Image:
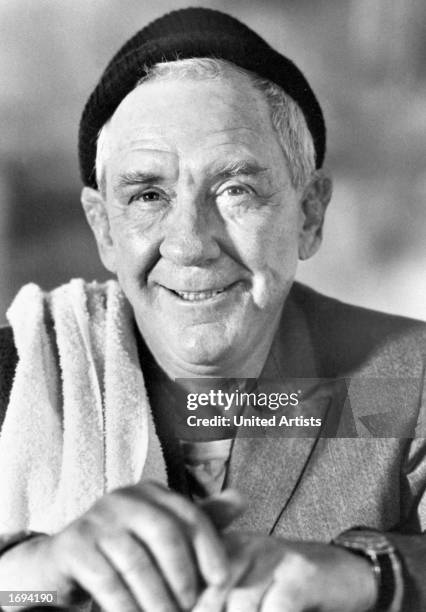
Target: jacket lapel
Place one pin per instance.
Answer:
(267, 468)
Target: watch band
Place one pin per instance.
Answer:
(385, 563)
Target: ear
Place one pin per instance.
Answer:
(314, 201)
(95, 210)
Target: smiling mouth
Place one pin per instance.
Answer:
(198, 296)
(201, 296)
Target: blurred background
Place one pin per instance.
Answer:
(366, 60)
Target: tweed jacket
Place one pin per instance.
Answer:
(367, 464)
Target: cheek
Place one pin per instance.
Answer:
(136, 248)
(133, 262)
(270, 245)
(270, 252)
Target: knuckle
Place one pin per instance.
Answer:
(70, 540)
(118, 495)
(194, 516)
(298, 565)
(84, 528)
(104, 511)
(147, 487)
(198, 520)
(129, 497)
(152, 485)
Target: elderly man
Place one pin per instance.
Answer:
(201, 152)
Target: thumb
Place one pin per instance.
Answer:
(223, 508)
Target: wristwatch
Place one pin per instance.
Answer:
(385, 563)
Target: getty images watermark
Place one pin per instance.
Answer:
(230, 415)
(344, 407)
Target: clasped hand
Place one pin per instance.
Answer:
(145, 548)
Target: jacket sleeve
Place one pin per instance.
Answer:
(412, 551)
(412, 548)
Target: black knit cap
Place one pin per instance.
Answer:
(182, 34)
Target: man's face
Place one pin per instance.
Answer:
(204, 225)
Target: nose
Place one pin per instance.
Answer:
(189, 238)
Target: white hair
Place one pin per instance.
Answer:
(286, 116)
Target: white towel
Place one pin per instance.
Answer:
(78, 424)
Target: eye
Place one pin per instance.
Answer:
(236, 195)
(148, 196)
(237, 190)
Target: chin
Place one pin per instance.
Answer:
(205, 347)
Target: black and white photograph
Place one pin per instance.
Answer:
(213, 306)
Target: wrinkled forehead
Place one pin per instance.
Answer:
(187, 111)
(179, 103)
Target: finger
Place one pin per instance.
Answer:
(207, 545)
(213, 598)
(224, 508)
(244, 600)
(95, 574)
(276, 600)
(138, 570)
(167, 540)
(286, 591)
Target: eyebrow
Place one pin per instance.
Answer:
(245, 167)
(136, 177)
(230, 169)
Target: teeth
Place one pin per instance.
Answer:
(197, 296)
